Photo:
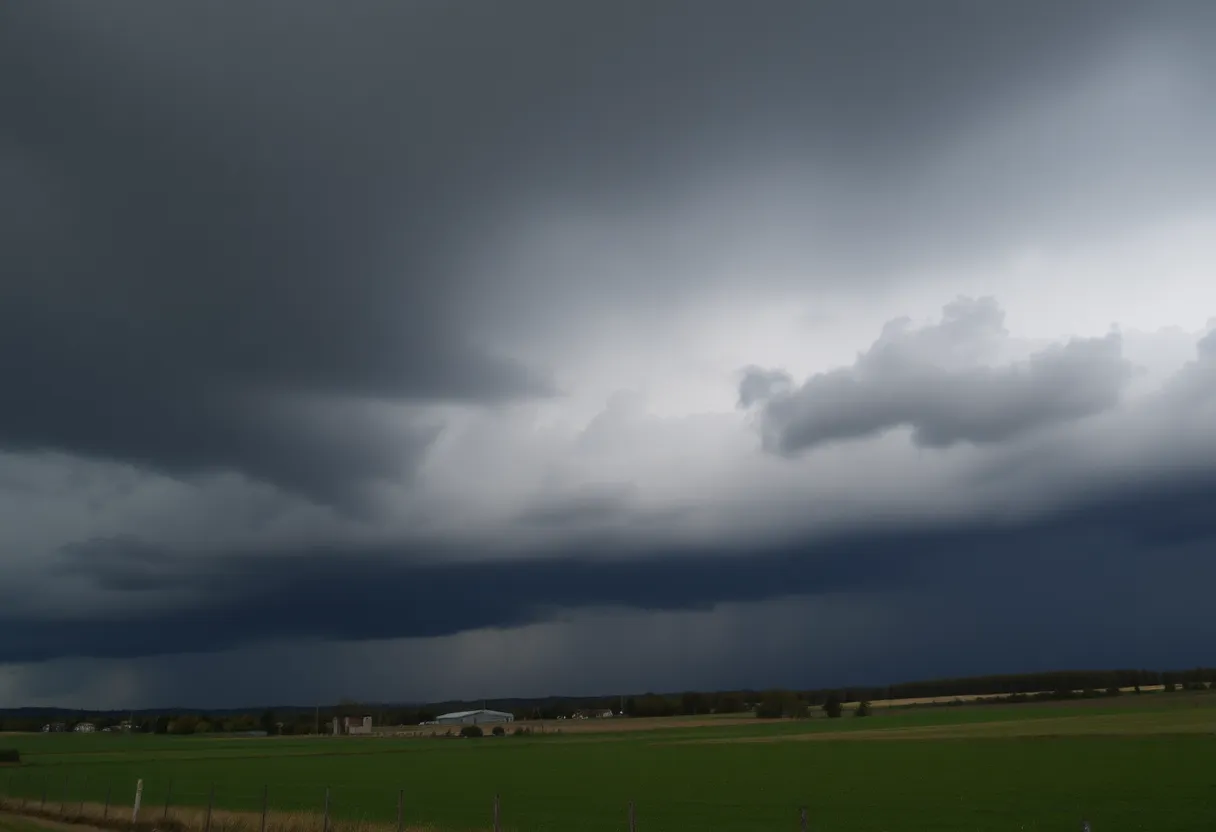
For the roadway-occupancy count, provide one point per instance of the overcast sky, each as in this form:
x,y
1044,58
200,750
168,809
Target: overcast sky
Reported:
x,y
456,349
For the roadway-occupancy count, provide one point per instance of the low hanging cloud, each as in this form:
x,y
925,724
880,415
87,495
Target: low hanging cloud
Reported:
x,y
936,381
291,372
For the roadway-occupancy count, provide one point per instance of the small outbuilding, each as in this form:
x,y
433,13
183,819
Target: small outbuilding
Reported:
x,y
353,726
478,717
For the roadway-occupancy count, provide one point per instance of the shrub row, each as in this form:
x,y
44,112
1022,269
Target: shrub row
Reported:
x,y
10,755
475,731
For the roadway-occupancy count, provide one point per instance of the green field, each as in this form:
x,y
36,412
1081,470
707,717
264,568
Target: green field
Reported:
x,y
1137,763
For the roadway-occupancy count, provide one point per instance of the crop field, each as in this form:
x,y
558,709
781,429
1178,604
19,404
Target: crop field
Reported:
x,y
1134,763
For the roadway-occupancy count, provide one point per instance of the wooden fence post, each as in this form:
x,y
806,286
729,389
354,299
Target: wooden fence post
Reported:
x,y
42,805
210,806
139,797
802,818
1085,826
63,798
325,823
83,789
168,800
400,809
105,813
265,799
497,828
633,818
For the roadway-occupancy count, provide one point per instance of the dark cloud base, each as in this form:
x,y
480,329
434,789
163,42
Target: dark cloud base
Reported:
x,y
1119,547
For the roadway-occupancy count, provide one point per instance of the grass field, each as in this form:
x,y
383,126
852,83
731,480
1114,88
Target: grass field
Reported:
x,y
1134,763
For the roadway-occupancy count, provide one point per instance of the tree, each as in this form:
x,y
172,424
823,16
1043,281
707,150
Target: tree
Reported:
x,y
864,708
776,704
832,706
267,721
472,731
692,702
184,724
731,704
499,731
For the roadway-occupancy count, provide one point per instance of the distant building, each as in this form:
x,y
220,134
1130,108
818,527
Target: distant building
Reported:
x,y
353,725
478,717
358,725
85,728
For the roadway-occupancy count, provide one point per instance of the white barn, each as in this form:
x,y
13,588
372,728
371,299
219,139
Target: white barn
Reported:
x,y
480,716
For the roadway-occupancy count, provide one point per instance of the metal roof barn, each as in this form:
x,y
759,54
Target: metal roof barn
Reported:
x,y
477,717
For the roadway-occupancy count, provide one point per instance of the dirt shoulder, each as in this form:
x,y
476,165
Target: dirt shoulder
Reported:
x,y
10,822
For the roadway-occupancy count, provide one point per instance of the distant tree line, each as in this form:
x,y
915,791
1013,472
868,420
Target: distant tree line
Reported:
x,y
771,704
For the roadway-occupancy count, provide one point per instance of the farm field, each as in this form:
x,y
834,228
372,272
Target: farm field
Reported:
x,y
1134,763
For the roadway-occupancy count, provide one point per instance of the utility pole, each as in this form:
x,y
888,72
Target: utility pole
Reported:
x,y
318,721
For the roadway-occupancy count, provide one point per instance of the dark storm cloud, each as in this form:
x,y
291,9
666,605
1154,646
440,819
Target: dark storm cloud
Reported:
x,y
1101,549
360,595
195,280
123,563
930,380
207,211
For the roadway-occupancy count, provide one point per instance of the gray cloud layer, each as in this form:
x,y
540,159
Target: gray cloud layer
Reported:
x,y
890,603
198,270
310,243
215,243
933,380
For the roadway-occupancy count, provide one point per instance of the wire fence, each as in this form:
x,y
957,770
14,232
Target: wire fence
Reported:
x,y
166,805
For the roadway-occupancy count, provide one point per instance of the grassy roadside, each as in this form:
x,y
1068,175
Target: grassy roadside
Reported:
x,y
17,818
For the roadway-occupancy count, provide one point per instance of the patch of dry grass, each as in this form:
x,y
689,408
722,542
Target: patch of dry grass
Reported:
x,y
940,700
94,816
1164,723
584,726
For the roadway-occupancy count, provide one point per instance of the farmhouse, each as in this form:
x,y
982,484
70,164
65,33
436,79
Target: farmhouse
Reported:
x,y
353,725
479,716
85,728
